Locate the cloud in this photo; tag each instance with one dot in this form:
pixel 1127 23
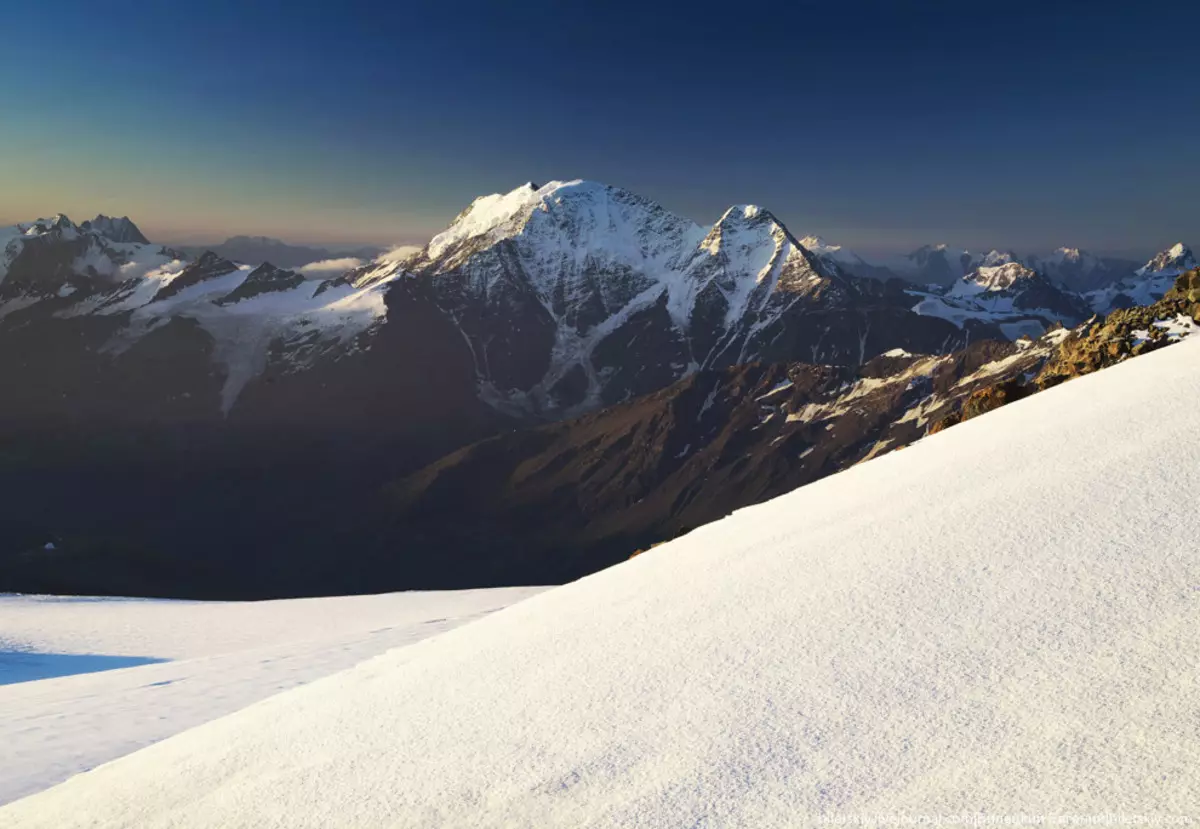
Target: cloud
pixel 330 267
pixel 399 253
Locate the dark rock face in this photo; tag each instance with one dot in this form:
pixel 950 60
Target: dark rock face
pixel 568 498
pixel 208 266
pixel 993 397
pixel 118 230
pixel 264 279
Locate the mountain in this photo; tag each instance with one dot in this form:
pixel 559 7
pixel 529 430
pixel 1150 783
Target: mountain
pixel 848 261
pixel 1147 284
pixel 994 259
pixel 255 250
pixel 1171 262
pixel 998 618
pixel 174 376
pixel 572 497
pixel 575 294
pixel 1077 270
pixel 1021 301
pixel 934 265
pixel 147 391
pixel 118 230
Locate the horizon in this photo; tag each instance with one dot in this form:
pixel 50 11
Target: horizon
pixel 880 137
pixel 871 253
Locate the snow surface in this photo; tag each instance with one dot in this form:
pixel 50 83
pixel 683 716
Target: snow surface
pixel 72 699
pixel 1001 618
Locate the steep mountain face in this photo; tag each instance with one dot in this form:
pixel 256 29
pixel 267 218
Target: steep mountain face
pixel 575 496
pixel 575 295
pixel 572 497
pixel 117 230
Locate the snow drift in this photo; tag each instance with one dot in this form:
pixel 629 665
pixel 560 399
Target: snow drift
pixel 87 680
pixel 998 619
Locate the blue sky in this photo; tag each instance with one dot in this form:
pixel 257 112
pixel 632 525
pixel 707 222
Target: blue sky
pixel 882 125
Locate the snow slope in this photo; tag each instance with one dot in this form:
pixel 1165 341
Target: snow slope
pixel 71 698
pixel 998 619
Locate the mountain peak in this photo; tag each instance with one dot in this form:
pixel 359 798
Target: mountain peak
pixel 1170 262
pixel 818 245
pixel 116 229
pixel 995 258
pixel 1000 277
pixel 746 213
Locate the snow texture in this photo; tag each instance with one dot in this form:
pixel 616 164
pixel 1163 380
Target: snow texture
pixel 1001 618
pixel 72 699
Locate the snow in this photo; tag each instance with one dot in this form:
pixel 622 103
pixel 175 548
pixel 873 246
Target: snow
pixel 10 247
pixel 1056 336
pixel 896 352
pixel 577 245
pixel 487 213
pixel 1175 328
pixel 988 294
pixel 991 278
pixel 1170 262
pixel 86 680
pixel 998 619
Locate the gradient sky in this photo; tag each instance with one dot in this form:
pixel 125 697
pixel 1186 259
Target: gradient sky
pixel 880 125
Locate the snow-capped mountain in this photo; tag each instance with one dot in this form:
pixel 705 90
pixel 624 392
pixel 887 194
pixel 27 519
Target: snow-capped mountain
pixel 576 294
pixel 1171 262
pixel 1147 284
pixel 54 270
pixel 560 298
pixel 994 259
pixel 135 361
pixel 1021 301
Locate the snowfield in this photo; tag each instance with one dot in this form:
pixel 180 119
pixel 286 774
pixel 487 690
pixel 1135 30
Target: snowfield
pixel 72 699
pixel 1001 618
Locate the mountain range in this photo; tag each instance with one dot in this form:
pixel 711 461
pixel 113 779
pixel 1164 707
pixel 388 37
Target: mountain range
pixel 216 427
pixel 255 250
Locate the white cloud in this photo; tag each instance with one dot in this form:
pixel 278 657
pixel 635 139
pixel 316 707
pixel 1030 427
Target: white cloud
pixel 330 267
pixel 399 253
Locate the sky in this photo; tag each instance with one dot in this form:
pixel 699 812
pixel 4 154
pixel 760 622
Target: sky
pixel 880 125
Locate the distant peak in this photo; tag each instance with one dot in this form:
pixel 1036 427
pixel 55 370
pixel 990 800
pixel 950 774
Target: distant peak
pixel 57 222
pixel 1174 259
pixel 120 229
pixel 818 244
